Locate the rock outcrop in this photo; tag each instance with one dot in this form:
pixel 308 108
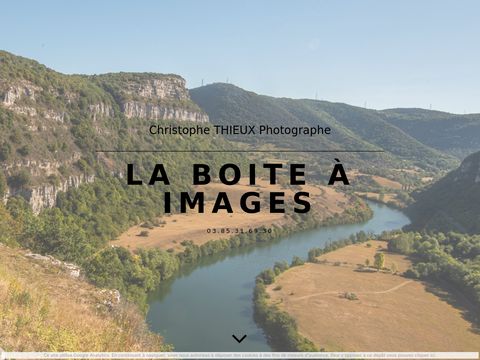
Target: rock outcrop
pixel 153 97
pixel 137 109
pixel 156 87
pixel 100 110
pixel 17 91
pixel 45 196
pixel 49 119
pixel 71 269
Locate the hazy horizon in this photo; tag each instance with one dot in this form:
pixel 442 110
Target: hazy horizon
pixel 380 54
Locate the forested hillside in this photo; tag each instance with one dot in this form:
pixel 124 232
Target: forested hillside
pixel 65 198
pixel 452 203
pixel 352 127
pixel 458 135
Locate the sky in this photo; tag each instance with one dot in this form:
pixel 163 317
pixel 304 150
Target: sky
pixel 374 53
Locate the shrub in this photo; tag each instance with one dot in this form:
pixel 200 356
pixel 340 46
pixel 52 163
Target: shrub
pixel 21 179
pixel 24 150
pixel 5 151
pixel 3 184
pixel 350 296
pixel 296 261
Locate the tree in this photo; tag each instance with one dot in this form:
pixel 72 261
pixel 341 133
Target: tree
pixel 297 261
pixel 393 268
pixel 279 267
pixel 3 185
pixel 362 236
pixel 9 227
pixel 5 151
pixel 313 253
pixel 379 262
pixel 24 150
pixel 367 262
pixel 267 276
pixel 20 180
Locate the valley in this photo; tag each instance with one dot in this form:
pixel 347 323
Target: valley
pixel 409 287
pixel 217 289
pixel 364 310
pixel 201 228
pixel 64 197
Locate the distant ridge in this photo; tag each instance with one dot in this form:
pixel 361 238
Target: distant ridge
pixel 354 127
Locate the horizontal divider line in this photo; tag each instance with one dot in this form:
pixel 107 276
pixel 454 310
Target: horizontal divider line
pixel 240 151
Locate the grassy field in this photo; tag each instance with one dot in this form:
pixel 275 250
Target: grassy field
pixel 385 198
pixel 389 186
pixel 42 308
pixel 387 183
pixel 193 226
pixel 392 313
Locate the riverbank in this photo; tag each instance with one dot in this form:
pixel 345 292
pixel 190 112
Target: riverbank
pixel 217 289
pixel 341 303
pixel 168 232
pixel 140 270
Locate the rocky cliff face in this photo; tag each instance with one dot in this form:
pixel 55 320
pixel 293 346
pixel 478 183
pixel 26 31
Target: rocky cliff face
pixel 165 87
pixel 138 109
pixel 45 117
pixel 100 110
pixel 23 90
pixel 153 97
pixel 45 196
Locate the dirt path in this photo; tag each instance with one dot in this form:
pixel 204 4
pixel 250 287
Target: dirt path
pixel 360 293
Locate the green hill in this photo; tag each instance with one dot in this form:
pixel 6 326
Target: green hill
pixel 353 127
pixel 452 203
pixel 458 135
pixel 67 198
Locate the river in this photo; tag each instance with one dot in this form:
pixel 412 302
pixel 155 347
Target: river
pixel 201 307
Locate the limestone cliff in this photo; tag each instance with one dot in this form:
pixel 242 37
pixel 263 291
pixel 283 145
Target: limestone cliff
pixel 137 109
pixel 152 96
pixel 45 195
pixel 51 123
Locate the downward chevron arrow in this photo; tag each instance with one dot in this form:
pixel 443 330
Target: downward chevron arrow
pixel 239 340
